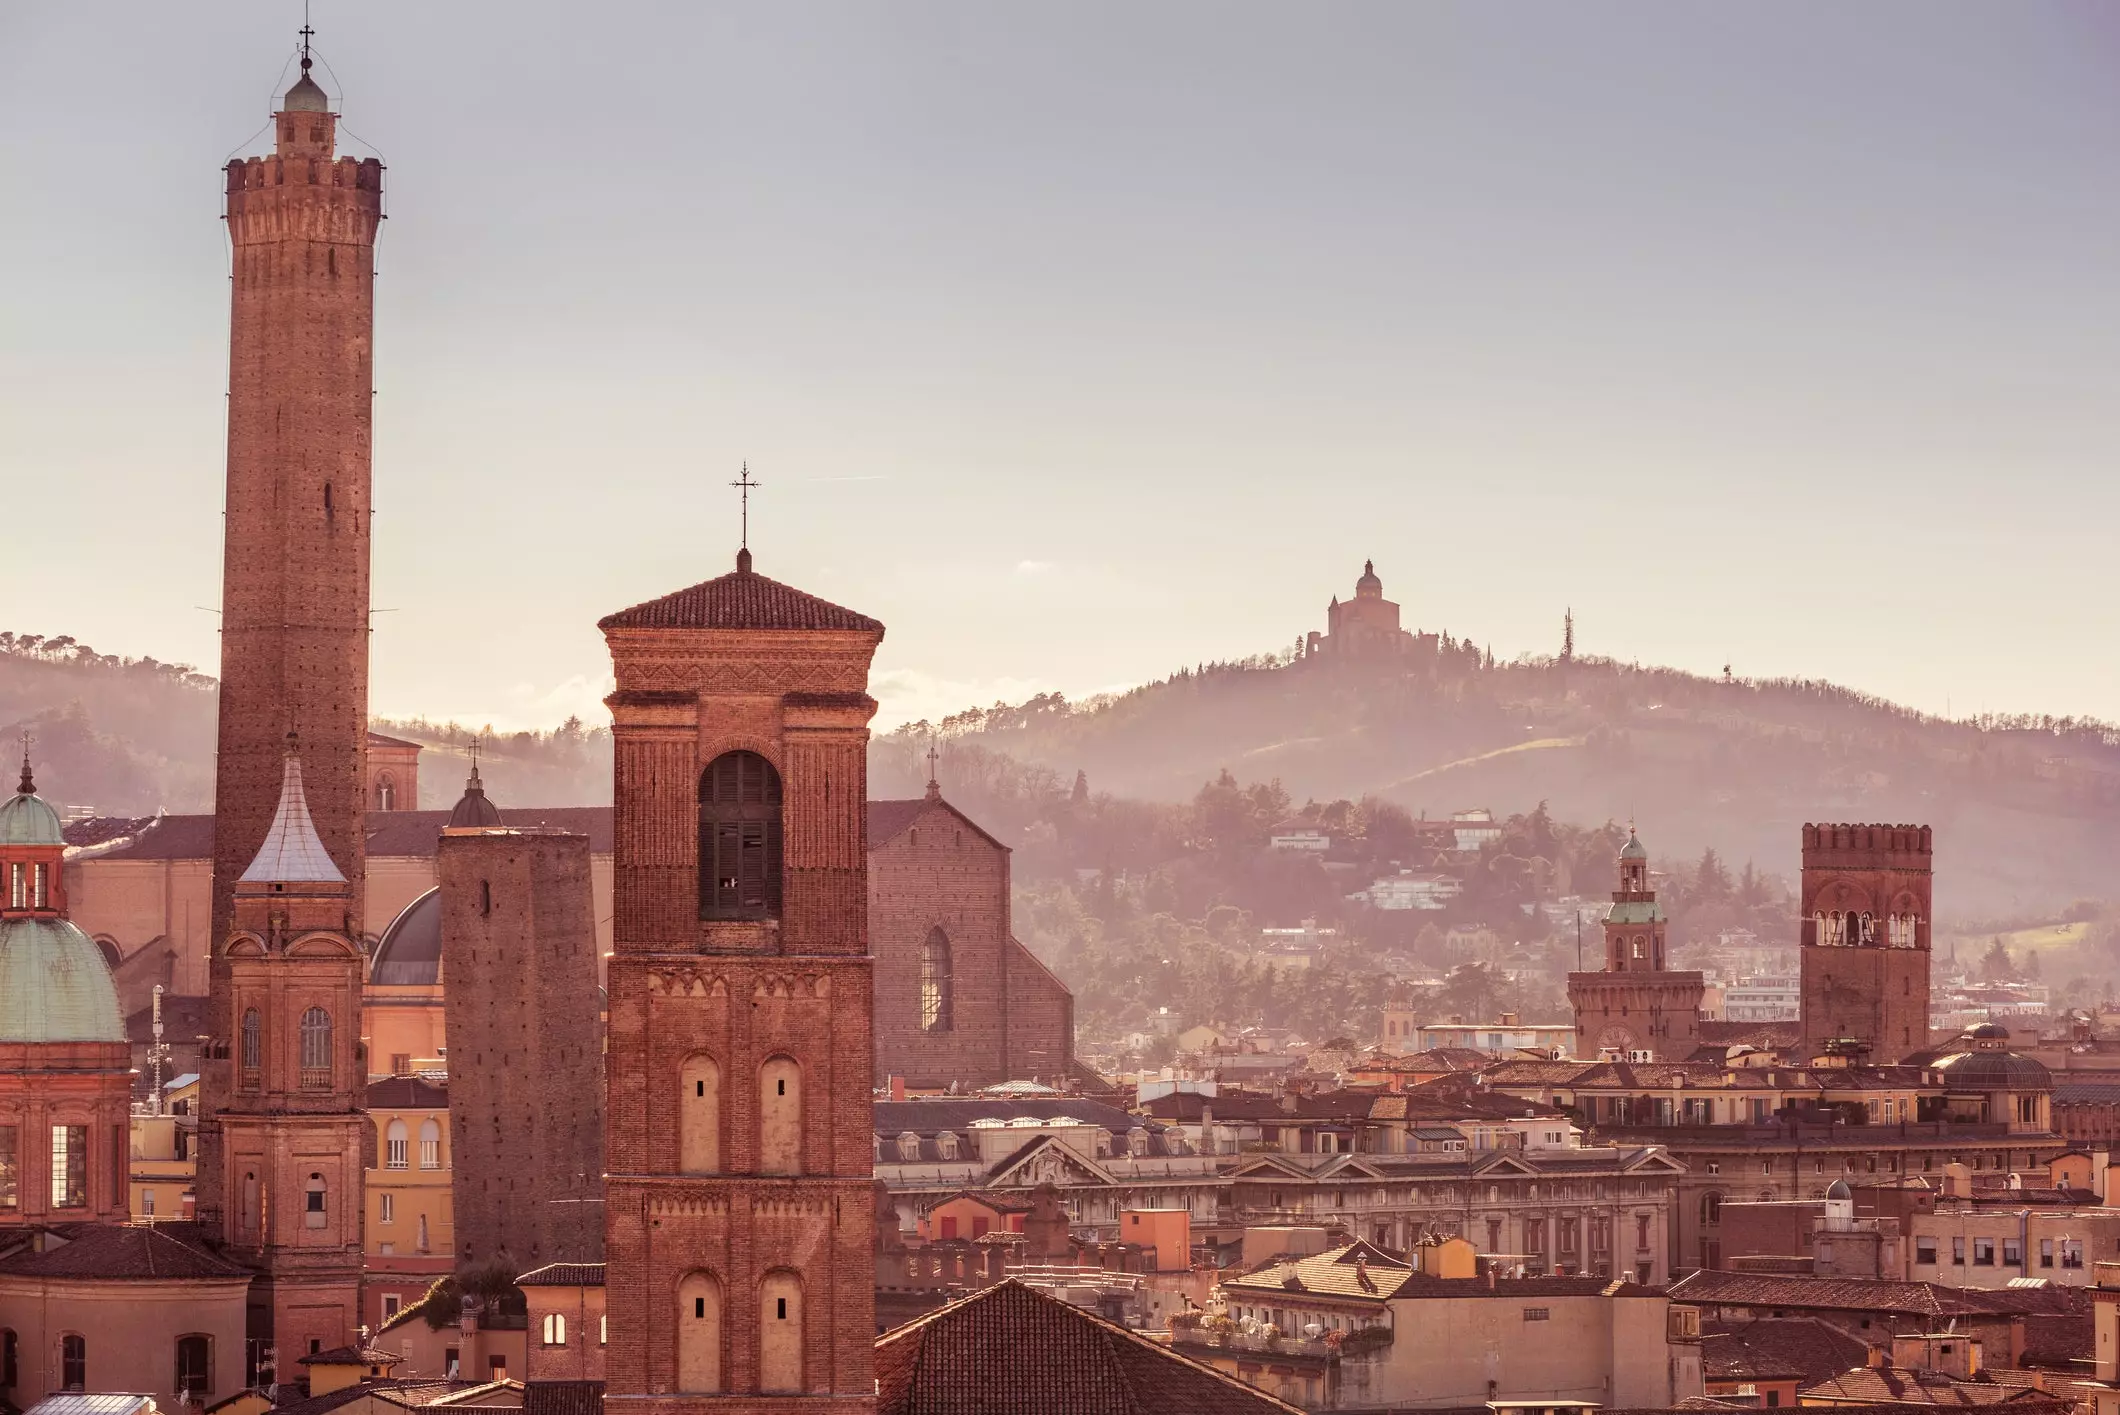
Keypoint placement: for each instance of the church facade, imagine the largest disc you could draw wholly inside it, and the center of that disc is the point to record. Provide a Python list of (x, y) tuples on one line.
[(1362, 629)]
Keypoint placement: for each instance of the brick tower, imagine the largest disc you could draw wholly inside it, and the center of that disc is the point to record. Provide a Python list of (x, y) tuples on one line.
[(294, 624), (1865, 934), (526, 1103), (294, 1143), (1636, 1004), (738, 1206)]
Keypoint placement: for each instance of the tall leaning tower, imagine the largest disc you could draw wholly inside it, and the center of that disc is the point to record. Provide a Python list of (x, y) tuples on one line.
[(294, 623), (738, 1146)]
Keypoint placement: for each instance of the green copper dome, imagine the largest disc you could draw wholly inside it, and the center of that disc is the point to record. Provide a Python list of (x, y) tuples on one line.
[(26, 820), (54, 984)]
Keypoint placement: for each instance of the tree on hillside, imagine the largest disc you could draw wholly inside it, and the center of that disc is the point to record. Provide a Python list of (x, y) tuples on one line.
[(1711, 881), (1995, 965), (1568, 636), (2031, 965)]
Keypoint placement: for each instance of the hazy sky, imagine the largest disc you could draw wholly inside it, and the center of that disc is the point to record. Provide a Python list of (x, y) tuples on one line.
[(1080, 341)]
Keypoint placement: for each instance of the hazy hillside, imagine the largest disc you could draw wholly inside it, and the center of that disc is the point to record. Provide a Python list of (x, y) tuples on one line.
[(124, 736), (133, 736), (2027, 814)]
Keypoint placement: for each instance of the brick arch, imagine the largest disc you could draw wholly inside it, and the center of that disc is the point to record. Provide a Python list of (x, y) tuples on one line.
[(780, 1332), (780, 1115), (699, 1114), (701, 1333)]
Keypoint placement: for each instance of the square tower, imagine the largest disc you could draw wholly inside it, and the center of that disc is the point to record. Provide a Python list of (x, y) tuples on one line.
[(1865, 935), (738, 1211), (1636, 1008)]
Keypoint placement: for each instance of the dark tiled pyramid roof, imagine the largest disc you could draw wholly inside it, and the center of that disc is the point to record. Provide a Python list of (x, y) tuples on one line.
[(563, 1398), (563, 1275), (121, 1252), (741, 599), (1010, 1350)]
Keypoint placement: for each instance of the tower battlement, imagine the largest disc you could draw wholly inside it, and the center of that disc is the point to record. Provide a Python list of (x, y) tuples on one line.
[(1867, 847)]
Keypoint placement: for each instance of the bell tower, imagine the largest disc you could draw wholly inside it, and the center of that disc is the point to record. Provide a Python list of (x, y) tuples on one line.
[(302, 224), (738, 1209), (1865, 938), (1636, 1005)]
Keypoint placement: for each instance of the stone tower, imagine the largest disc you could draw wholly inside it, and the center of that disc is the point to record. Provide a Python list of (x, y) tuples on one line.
[(526, 1104), (1865, 935), (1635, 1003), (294, 1143), (294, 587), (739, 1215)]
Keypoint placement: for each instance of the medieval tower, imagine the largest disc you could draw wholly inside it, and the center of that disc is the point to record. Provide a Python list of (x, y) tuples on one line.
[(739, 1215), (294, 665), (1636, 1005), (1865, 935)]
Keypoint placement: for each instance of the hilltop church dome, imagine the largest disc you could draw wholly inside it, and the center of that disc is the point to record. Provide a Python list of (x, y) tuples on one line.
[(1369, 586)]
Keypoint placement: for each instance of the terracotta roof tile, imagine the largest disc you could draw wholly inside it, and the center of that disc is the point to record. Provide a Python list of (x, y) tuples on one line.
[(121, 1252), (1010, 1350), (564, 1275), (1895, 1386), (741, 599), (563, 1398), (1778, 1349), (407, 1093)]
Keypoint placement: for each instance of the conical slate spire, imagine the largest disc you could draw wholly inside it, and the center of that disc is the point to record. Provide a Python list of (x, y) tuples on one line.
[(292, 854)]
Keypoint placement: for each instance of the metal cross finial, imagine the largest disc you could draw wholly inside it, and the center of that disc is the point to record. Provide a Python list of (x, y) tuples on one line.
[(744, 485), (28, 786), (307, 34), (932, 756)]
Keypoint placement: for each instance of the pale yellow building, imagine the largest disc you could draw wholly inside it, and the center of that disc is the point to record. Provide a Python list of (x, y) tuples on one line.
[(408, 1238), (164, 1167)]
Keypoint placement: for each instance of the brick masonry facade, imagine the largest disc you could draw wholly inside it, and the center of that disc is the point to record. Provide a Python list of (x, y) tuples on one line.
[(1864, 976), (294, 658), (526, 1103), (1007, 1017), (738, 1208)]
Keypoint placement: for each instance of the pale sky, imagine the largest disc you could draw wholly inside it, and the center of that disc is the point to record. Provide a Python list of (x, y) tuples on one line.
[(1081, 341)]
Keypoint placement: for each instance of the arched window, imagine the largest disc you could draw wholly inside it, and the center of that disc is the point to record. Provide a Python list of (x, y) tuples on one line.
[(195, 1365), (699, 1116), (936, 982), (252, 1057), (73, 1362), (780, 1333), (554, 1329), (397, 1146), (249, 1219), (698, 1334), (430, 1144), (739, 838), (780, 1117), (1711, 1207), (313, 1214), (385, 793), (316, 1050)]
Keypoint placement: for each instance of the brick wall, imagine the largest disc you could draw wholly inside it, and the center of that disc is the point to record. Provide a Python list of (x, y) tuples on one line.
[(1872, 992), (525, 1094)]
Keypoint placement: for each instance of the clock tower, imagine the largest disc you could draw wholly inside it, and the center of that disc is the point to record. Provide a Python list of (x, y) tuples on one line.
[(1636, 1008)]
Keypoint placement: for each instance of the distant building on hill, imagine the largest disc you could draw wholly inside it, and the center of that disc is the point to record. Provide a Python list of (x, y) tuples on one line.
[(1365, 628)]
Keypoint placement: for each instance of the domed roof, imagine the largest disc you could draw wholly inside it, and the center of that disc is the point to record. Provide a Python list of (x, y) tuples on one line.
[(1994, 1071), (305, 96), (1369, 586), (54, 984), (1839, 1189), (473, 809), (1989, 1031), (410, 953), (1633, 849), (25, 819)]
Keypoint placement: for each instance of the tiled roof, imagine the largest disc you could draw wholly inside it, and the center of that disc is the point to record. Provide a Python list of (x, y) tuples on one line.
[(890, 819), (1766, 1035), (407, 1093), (2058, 1341), (1892, 1385), (1366, 1272), (564, 1275), (1778, 1349), (1010, 1350), (563, 1398), (408, 1393), (741, 599), (98, 830), (1710, 1287), (351, 1356), (116, 1252)]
